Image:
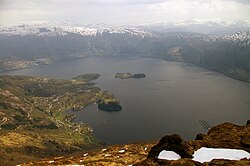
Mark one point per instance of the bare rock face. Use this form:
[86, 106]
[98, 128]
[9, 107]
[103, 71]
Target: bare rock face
[199, 136]
[226, 135]
[170, 143]
[245, 141]
[218, 162]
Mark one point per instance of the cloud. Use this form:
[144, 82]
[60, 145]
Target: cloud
[123, 2]
[242, 1]
[180, 10]
[122, 11]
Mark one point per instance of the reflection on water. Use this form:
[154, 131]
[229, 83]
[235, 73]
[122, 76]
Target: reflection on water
[172, 98]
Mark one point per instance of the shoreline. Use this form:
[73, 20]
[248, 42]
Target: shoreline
[2, 72]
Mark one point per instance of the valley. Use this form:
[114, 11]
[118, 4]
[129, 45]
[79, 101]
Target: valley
[68, 90]
[224, 53]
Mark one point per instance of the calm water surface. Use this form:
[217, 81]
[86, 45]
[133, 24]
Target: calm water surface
[173, 97]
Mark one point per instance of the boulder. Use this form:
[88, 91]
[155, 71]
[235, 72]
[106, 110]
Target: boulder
[248, 122]
[245, 141]
[200, 136]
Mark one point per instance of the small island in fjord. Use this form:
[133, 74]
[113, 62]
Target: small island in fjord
[107, 102]
[87, 77]
[129, 75]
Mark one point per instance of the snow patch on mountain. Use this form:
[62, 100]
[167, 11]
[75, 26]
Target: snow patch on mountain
[59, 30]
[208, 154]
[240, 38]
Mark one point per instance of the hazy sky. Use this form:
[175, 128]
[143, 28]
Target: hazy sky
[120, 12]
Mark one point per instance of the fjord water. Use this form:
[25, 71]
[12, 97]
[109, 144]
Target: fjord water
[173, 97]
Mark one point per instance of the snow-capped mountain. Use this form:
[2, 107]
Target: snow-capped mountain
[241, 38]
[50, 30]
[61, 30]
[198, 26]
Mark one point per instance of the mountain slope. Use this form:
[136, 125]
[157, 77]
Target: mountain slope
[228, 54]
[220, 136]
[33, 122]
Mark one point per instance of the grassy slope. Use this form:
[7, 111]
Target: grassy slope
[32, 119]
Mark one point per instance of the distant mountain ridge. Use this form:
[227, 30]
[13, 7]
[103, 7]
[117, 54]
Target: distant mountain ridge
[196, 26]
[242, 37]
[50, 30]
[62, 30]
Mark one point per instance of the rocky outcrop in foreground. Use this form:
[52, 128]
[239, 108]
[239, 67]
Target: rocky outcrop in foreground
[170, 143]
[226, 135]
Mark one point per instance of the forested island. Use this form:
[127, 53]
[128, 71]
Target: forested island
[129, 75]
[107, 102]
